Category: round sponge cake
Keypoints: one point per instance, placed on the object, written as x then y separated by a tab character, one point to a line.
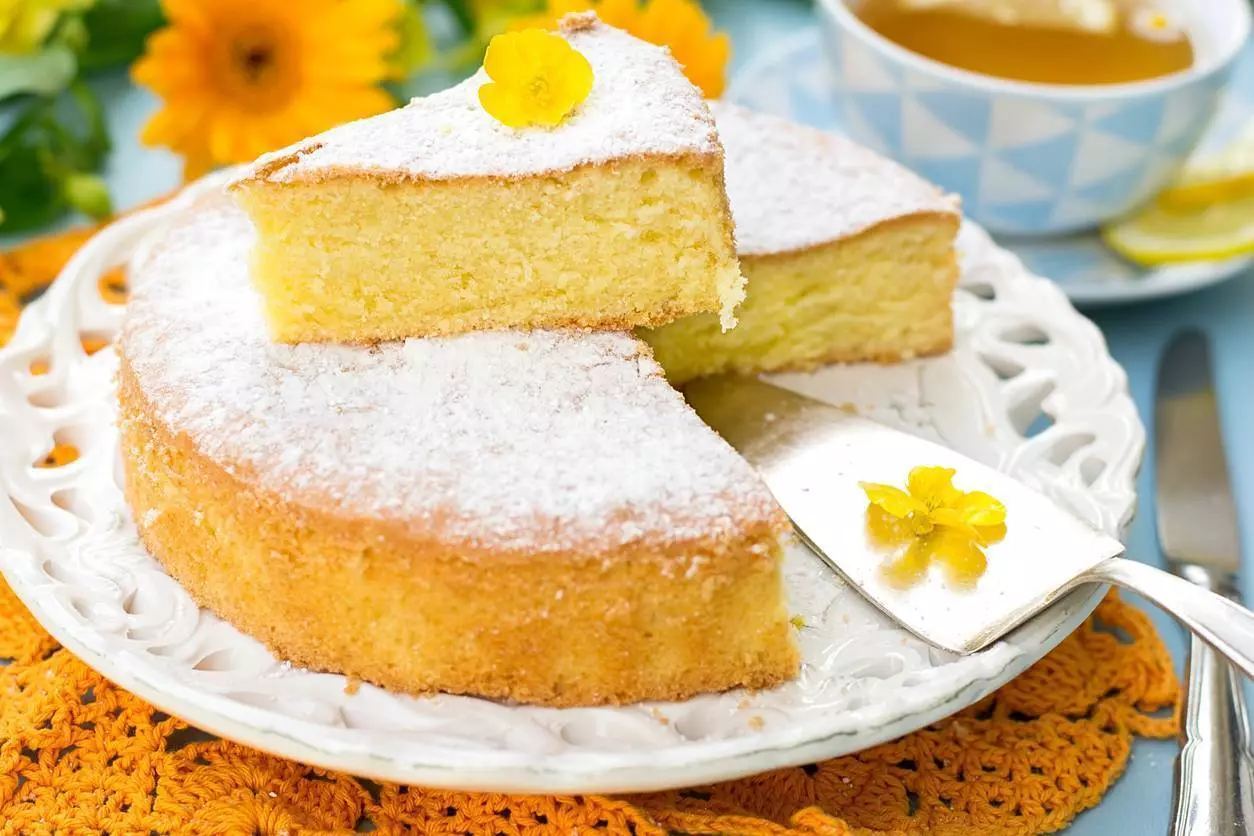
527	515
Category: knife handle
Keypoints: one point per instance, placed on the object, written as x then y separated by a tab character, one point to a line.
1225	625
1214	770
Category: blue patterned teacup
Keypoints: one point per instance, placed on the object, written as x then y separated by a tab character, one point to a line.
1033	159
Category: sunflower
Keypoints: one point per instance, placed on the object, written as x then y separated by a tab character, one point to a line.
681	25
242	77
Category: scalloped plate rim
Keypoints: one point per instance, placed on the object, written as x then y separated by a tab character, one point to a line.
247	725
281	734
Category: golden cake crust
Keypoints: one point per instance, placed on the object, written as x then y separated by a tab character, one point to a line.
524	515
369	599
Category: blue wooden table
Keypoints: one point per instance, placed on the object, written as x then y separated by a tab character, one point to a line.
1139	803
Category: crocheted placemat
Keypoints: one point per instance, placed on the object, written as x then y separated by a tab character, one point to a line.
79	755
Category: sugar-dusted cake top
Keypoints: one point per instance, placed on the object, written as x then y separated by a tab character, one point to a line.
793	187
640	104
537	441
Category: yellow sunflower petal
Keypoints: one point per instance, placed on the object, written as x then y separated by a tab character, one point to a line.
705	64
620	13
173	127
197	162
188	13
560	8
893	500
543	20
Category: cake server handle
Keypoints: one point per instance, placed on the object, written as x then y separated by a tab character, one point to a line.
1221	622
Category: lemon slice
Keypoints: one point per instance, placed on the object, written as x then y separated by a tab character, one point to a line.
1214	178
1160	236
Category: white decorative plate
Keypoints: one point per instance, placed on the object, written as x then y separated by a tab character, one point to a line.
1029	388
792	80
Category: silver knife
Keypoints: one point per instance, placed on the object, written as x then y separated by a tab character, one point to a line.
1197	528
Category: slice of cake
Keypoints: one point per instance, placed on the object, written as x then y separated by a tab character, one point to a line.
532	515
849	257
437	219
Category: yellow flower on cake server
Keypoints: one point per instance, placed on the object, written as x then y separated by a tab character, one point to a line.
933	522
537	79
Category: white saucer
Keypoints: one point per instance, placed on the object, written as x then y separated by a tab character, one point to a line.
1029	387
792	80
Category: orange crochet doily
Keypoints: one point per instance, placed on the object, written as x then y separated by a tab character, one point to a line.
79	755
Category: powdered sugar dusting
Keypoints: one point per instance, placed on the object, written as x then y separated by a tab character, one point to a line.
530	440
640	103
792	187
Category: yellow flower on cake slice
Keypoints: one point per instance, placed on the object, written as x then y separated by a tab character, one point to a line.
440	218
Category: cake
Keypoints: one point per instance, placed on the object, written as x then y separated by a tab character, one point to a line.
529	515
848	257
436	219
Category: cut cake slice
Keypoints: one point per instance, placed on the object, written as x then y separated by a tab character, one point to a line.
436	219
849	257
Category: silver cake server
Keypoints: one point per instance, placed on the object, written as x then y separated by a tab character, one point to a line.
813	456
1198	532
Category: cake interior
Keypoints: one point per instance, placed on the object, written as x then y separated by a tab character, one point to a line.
883	295
639	241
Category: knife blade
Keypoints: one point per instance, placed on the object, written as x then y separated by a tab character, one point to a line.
1199	535
1197	516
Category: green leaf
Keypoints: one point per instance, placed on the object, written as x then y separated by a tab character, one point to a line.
117	30
464	15
416	48
96	143
30	198
48	158
88	194
44	73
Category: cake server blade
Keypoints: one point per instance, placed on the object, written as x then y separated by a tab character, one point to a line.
813	457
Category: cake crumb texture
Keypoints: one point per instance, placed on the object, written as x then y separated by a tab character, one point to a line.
530	515
848	257
436	219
